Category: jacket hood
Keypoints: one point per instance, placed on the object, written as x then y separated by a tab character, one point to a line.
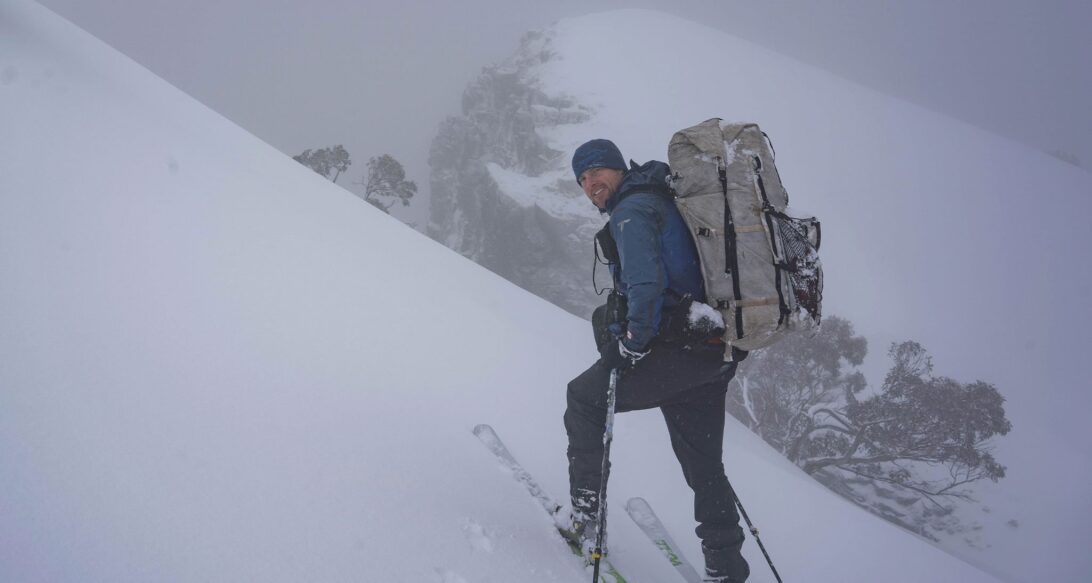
648	177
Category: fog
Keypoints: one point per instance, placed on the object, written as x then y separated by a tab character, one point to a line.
378	78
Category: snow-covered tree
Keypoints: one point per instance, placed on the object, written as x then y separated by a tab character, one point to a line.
326	161
917	419
903	450
386	183
781	387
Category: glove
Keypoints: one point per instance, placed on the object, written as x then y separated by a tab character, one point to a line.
615	354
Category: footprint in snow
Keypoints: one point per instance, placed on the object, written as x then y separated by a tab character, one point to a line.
477	536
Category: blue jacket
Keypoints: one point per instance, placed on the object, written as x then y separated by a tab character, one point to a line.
656	251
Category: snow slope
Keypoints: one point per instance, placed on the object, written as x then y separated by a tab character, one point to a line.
933	231
217	366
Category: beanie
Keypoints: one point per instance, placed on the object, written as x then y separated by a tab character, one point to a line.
597	154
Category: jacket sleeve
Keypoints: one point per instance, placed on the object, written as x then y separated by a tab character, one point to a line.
637	227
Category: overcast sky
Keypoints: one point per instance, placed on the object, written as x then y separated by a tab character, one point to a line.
379	77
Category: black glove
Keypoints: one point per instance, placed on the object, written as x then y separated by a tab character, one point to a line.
614	354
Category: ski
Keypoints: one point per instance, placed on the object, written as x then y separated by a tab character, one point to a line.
650	524
492	442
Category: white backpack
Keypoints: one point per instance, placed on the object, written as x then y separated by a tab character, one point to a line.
759	260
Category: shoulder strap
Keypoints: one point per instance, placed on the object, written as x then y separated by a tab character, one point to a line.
604	241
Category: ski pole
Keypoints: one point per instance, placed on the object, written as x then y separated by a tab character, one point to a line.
754	532
608	435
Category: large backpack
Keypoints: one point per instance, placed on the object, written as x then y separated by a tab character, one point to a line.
759	260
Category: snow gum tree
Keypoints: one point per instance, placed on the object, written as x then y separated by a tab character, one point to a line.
386	183
923	438
326	161
782	391
915	417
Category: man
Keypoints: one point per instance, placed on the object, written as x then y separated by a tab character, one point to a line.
683	373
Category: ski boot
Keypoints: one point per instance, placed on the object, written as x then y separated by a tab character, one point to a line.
724	565
580	533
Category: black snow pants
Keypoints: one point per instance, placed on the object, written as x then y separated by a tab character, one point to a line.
689	387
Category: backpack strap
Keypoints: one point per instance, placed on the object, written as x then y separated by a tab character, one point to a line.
604	241
777	246
730	256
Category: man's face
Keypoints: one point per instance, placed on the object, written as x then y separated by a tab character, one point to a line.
600	184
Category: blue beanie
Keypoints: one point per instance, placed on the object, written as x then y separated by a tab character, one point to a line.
597	154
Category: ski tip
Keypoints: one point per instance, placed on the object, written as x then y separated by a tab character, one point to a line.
641	512
482	428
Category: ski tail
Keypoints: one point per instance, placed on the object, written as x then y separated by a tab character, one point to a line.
492	442
641	513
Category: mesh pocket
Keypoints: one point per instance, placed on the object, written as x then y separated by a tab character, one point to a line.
799	242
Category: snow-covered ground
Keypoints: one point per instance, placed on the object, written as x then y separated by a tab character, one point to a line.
217	366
